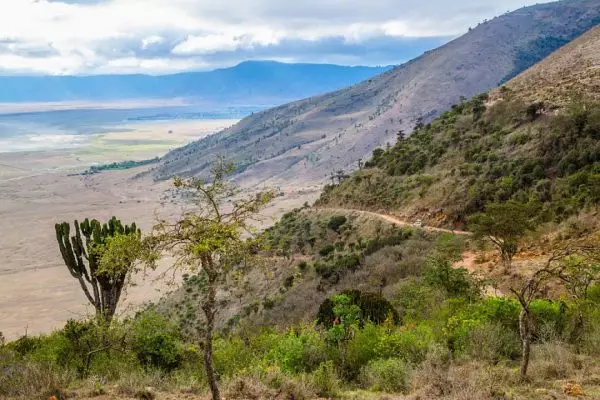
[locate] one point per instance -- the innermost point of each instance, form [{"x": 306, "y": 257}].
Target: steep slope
[
  {"x": 253, "y": 82},
  {"x": 573, "y": 69},
  {"x": 536, "y": 139},
  {"x": 306, "y": 140}
]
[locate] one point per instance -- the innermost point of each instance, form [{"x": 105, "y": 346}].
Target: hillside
[
  {"x": 252, "y": 82},
  {"x": 535, "y": 139},
  {"x": 306, "y": 140}
]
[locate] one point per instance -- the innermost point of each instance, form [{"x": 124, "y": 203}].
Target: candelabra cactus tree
[{"x": 101, "y": 257}]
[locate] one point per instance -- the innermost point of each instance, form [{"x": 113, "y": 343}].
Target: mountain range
[
  {"x": 305, "y": 141},
  {"x": 251, "y": 82}
]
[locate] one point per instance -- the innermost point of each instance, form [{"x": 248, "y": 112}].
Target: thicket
[
  {"x": 487, "y": 154},
  {"x": 365, "y": 342}
]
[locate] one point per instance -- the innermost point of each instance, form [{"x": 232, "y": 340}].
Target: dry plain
[{"x": 38, "y": 189}]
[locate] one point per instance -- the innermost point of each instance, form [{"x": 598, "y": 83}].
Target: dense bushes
[
  {"x": 373, "y": 308},
  {"x": 156, "y": 341},
  {"x": 511, "y": 151},
  {"x": 310, "y": 358}
]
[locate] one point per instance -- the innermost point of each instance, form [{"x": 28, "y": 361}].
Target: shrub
[
  {"x": 324, "y": 270},
  {"x": 231, "y": 356},
  {"x": 362, "y": 348},
  {"x": 326, "y": 380},
  {"x": 297, "y": 351},
  {"x": 335, "y": 223},
  {"x": 550, "y": 317},
  {"x": 156, "y": 341},
  {"x": 373, "y": 307},
  {"x": 457, "y": 282},
  {"x": 410, "y": 345},
  {"x": 348, "y": 262},
  {"x": 303, "y": 266},
  {"x": 491, "y": 342},
  {"x": 389, "y": 375},
  {"x": 325, "y": 251}
]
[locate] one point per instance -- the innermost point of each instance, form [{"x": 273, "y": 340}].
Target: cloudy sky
[{"x": 62, "y": 37}]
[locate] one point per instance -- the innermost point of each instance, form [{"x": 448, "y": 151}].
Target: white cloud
[{"x": 155, "y": 36}]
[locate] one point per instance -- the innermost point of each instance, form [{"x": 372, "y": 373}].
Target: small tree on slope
[
  {"x": 210, "y": 240},
  {"x": 504, "y": 225}
]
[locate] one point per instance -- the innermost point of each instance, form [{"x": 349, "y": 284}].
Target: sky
[{"x": 87, "y": 37}]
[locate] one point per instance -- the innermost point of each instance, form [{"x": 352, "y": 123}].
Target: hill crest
[{"x": 306, "y": 140}]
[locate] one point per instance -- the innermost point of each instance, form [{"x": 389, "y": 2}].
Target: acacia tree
[
  {"x": 504, "y": 224},
  {"x": 213, "y": 239},
  {"x": 529, "y": 291},
  {"x": 102, "y": 258}
]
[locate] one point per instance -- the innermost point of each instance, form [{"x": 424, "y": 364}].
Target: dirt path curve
[{"x": 395, "y": 220}]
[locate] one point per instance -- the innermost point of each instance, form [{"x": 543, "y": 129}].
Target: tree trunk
[
  {"x": 525, "y": 330},
  {"x": 209, "y": 312}
]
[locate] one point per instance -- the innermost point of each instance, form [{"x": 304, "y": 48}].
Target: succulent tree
[{"x": 101, "y": 257}]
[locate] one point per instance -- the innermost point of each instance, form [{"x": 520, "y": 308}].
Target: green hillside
[{"x": 479, "y": 153}]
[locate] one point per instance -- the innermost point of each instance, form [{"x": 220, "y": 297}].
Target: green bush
[
  {"x": 409, "y": 345},
  {"x": 348, "y": 262},
  {"x": 335, "y": 223},
  {"x": 362, "y": 348},
  {"x": 326, "y": 380},
  {"x": 232, "y": 356},
  {"x": 373, "y": 308},
  {"x": 490, "y": 342},
  {"x": 156, "y": 341},
  {"x": 296, "y": 351},
  {"x": 550, "y": 318},
  {"x": 327, "y": 250},
  {"x": 457, "y": 282},
  {"x": 303, "y": 266},
  {"x": 387, "y": 375}
]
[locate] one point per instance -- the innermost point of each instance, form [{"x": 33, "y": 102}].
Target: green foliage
[
  {"x": 456, "y": 282},
  {"x": 489, "y": 341},
  {"x": 104, "y": 262},
  {"x": 390, "y": 375},
  {"x": 480, "y": 156},
  {"x": 335, "y": 223},
  {"x": 347, "y": 319},
  {"x": 156, "y": 341},
  {"x": 95, "y": 169},
  {"x": 233, "y": 356},
  {"x": 450, "y": 247},
  {"x": 296, "y": 351},
  {"x": 327, "y": 250},
  {"x": 373, "y": 308},
  {"x": 504, "y": 225},
  {"x": 326, "y": 380}
]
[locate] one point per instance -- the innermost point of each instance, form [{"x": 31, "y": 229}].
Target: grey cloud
[
  {"x": 376, "y": 51},
  {"x": 26, "y": 49}
]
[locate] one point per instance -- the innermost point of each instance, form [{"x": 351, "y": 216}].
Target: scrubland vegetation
[
  {"x": 480, "y": 153},
  {"x": 332, "y": 304}
]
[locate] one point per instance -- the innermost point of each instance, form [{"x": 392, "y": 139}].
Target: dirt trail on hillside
[
  {"x": 397, "y": 221},
  {"x": 469, "y": 258}
]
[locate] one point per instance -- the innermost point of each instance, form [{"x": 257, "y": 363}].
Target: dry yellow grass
[{"x": 565, "y": 74}]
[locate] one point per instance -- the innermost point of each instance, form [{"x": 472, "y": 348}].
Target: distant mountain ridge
[
  {"x": 306, "y": 140},
  {"x": 251, "y": 82}
]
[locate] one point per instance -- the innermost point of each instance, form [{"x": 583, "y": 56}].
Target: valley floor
[{"x": 37, "y": 294}]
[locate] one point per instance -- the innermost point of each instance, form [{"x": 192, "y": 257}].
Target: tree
[
  {"x": 504, "y": 225},
  {"x": 103, "y": 263},
  {"x": 528, "y": 292},
  {"x": 213, "y": 239},
  {"x": 580, "y": 271}
]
